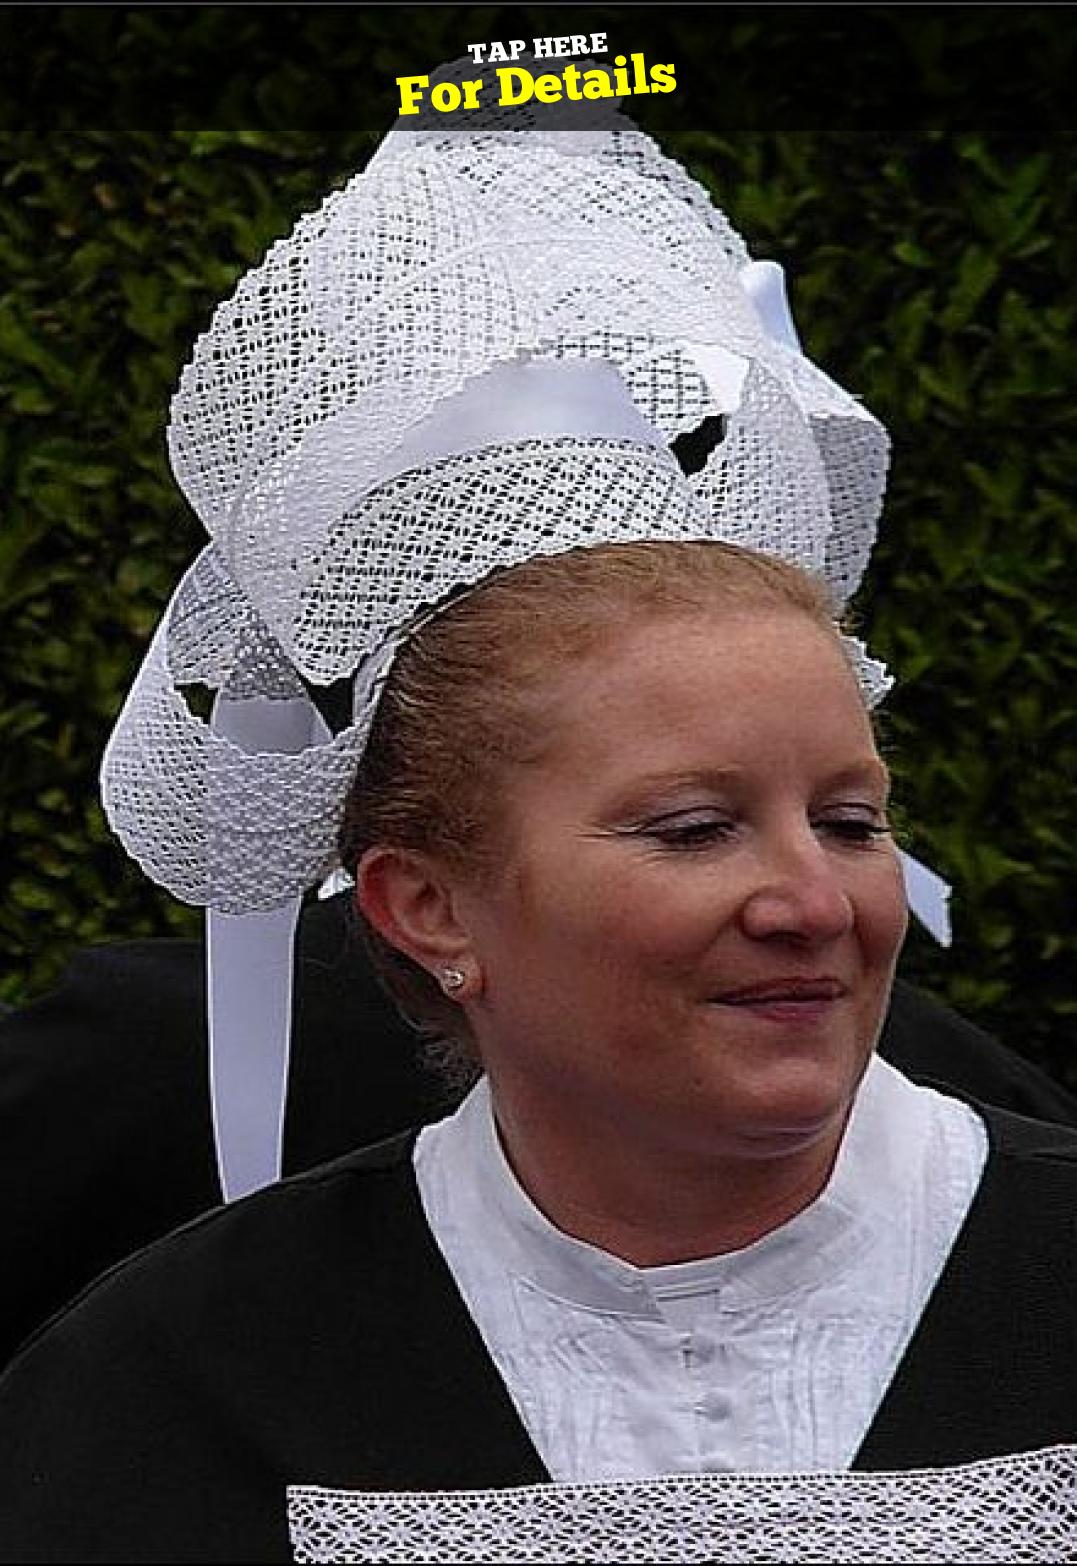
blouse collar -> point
(864, 1195)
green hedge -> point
(931, 271)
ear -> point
(410, 900)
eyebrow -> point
(691, 776)
(873, 767)
(868, 766)
(870, 770)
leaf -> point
(976, 274)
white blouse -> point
(774, 1357)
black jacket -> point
(312, 1334)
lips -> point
(784, 992)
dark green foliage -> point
(932, 270)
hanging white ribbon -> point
(249, 964)
(928, 897)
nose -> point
(799, 893)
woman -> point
(621, 826)
(618, 828)
(625, 992)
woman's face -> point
(691, 944)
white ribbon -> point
(928, 897)
(249, 963)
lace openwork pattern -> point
(439, 262)
(1016, 1508)
(303, 434)
(218, 824)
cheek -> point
(642, 922)
(597, 907)
(883, 915)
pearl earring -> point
(452, 979)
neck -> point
(651, 1209)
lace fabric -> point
(429, 269)
(1021, 1507)
(220, 825)
(313, 434)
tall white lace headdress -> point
(479, 350)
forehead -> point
(696, 684)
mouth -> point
(786, 1000)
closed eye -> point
(856, 831)
(686, 832)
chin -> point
(801, 1101)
